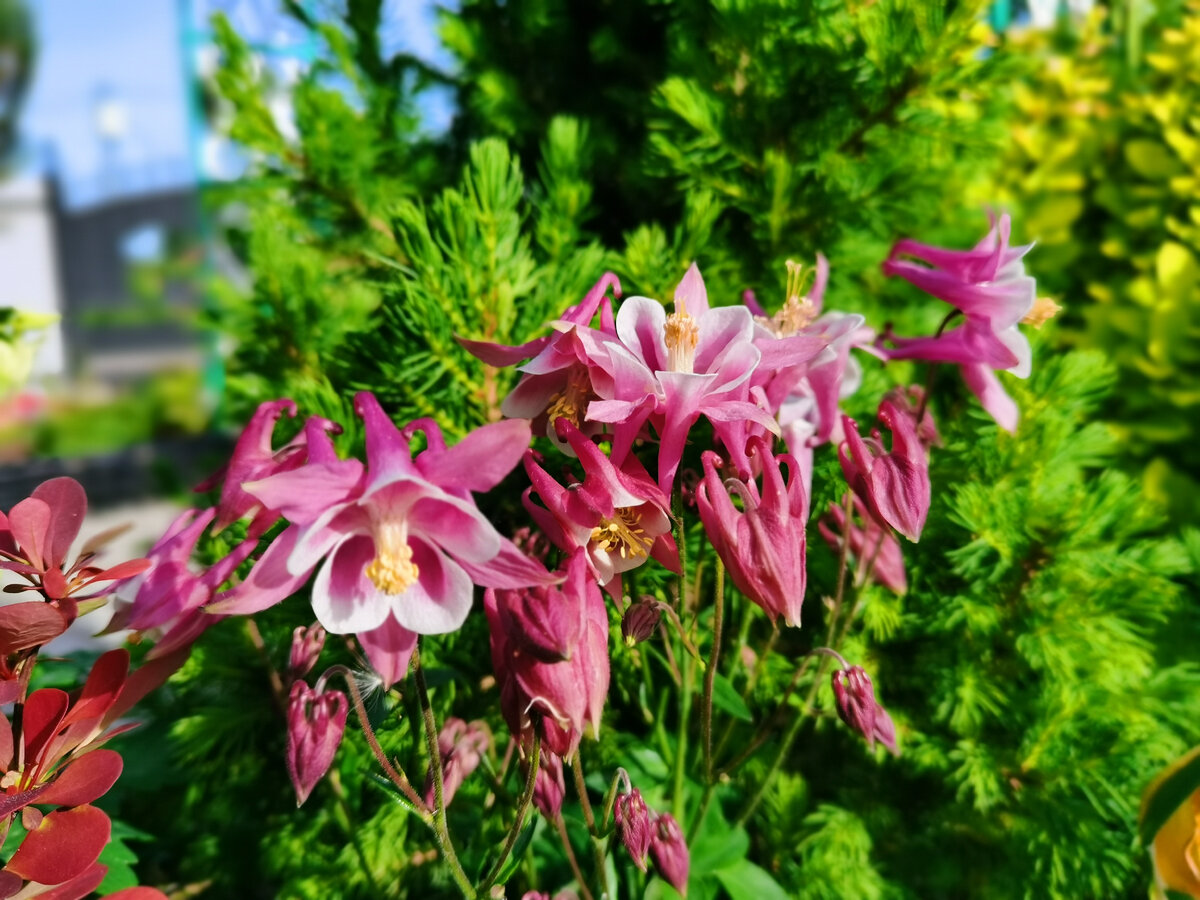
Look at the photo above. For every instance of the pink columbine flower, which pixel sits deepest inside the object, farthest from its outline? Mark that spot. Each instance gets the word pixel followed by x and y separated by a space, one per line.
pixel 461 747
pixel 399 539
pixel 560 378
pixel 763 544
pixel 894 485
pixel 988 285
pixel 253 459
pixel 870 541
pixel 858 708
pixel 550 654
pixel 617 515
pixel 672 369
pixel 36 536
pixel 316 723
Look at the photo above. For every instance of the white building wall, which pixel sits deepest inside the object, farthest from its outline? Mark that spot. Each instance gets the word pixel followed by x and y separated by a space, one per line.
pixel 28 270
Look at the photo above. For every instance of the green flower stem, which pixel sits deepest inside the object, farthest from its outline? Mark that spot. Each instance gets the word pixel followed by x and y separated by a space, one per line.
pixel 561 827
pixel 535 760
pixel 440 828
pixel 599 852
pixel 688 668
pixel 706 708
pixel 394 773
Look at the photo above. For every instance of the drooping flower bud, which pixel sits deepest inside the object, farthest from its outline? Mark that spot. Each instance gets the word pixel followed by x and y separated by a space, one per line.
pixel 549 788
pixel 307 644
pixel 640 621
pixel 893 484
pixel 858 708
pixel 871 542
pixel 316 722
pixel 634 825
pixel 461 746
pixel 669 851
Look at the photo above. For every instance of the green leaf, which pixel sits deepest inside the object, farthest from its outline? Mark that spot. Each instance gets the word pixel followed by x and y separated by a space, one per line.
pixel 1167 793
pixel 1151 159
pixel 746 881
pixel 714 850
pixel 514 858
pixel 728 700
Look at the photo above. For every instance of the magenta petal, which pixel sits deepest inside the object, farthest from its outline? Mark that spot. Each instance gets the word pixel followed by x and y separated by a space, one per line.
pixel 86 779
pixel 30 524
pixel 68 505
pixel 510 568
pixel 63 846
pixel 388 454
pixel 986 386
pixel 691 294
pixel 479 461
pixel 344 600
pixel 502 355
pixel 268 582
pixel 457 527
pixel 302 495
pixel 389 649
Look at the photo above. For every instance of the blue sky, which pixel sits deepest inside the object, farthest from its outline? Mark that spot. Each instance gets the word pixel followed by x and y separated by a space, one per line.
pixel 130 51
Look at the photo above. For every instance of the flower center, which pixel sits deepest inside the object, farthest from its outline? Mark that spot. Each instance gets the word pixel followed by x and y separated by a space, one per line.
pixel 681 334
pixel 1044 309
pixel 392 570
pixel 622 534
pixel 571 402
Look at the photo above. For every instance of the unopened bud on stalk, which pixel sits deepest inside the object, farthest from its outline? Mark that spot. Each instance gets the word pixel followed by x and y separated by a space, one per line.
pixel 857 707
pixel 640 621
pixel 549 788
pixel 670 853
pixel 634 826
pixel 307 644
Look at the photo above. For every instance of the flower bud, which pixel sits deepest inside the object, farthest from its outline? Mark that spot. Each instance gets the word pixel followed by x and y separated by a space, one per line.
pixel 670 853
pixel 640 621
pixel 549 788
pixel 307 644
pixel 634 825
pixel 316 722
pixel 857 707
pixel 461 747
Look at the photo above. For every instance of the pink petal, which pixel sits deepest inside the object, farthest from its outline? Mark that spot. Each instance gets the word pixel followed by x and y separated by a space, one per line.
pixel 640 324
pixel 66 843
pixel 502 355
pixel 302 495
pixel 457 527
pixel 510 568
pixel 344 600
pixel 691 293
pixel 984 384
pixel 388 454
pixel 479 461
pixel 268 582
pixel 724 331
pixel 389 649
pixel 440 600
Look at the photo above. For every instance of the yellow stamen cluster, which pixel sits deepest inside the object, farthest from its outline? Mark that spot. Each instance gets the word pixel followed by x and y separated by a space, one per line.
pixel 622 534
pixel 682 335
pixel 392 570
pixel 797 311
pixel 571 402
pixel 1044 309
